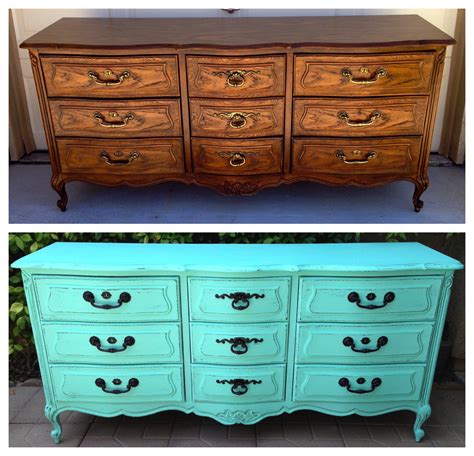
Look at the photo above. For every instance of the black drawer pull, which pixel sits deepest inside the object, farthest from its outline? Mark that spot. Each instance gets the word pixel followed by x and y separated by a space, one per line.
pixel 349 342
pixel 89 297
pixel 127 342
pixel 387 299
pixel 345 383
pixel 132 383
pixel 239 385
pixel 239 344
pixel 240 296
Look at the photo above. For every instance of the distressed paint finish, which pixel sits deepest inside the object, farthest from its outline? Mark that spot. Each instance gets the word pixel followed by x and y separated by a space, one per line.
pixel 295 356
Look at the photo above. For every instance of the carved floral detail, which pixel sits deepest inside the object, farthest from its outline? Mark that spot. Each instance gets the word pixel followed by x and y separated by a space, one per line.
pixel 239 416
pixel 239 188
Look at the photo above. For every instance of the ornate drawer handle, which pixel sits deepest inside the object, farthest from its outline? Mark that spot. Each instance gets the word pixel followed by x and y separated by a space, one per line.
pixel 127 342
pixel 239 344
pixel 240 297
pixel 359 123
pixel 340 154
pixel 106 157
pixel 237 158
pixel 89 297
pixel 132 383
pixel 387 299
pixel 349 342
pixel 235 78
pixel 239 385
pixel 380 73
pixel 237 119
pixel 114 124
pixel 344 382
pixel 95 77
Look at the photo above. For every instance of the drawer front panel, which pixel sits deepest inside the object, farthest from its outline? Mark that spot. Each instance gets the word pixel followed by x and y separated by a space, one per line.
pixel 121 157
pixel 104 77
pixel 228 77
pixel 326 383
pixel 257 384
pixel 399 155
pixel 238 344
pixel 155 384
pixel 402 343
pixel 349 299
pixel 237 157
pixel 367 75
pixel 150 298
pixel 239 300
pixel 349 117
pixel 91 343
pixel 237 118
pixel 116 119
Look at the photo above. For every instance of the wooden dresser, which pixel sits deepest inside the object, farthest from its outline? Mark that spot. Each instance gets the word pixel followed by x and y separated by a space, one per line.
pixel 237 332
pixel 239 104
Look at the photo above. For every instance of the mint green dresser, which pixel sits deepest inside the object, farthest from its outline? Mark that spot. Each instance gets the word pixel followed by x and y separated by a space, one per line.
pixel 237 332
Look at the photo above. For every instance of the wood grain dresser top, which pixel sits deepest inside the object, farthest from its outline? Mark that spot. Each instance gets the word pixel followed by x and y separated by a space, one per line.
pixel 354 31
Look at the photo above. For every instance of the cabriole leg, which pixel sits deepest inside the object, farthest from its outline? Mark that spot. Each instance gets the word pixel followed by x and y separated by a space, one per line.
pixel 53 417
pixel 60 188
pixel 420 187
pixel 422 415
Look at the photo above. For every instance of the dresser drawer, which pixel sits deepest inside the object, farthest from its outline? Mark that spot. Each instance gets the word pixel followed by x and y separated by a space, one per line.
pixel 121 157
pixel 370 343
pixel 397 155
pixel 94 343
pixel 102 299
pixel 238 384
pixel 237 118
pixel 368 117
pixel 363 75
pixel 116 119
pixel 111 77
pixel 238 156
pixel 229 77
pixel 239 300
pixel 369 298
pixel 238 344
pixel 137 384
pixel 335 383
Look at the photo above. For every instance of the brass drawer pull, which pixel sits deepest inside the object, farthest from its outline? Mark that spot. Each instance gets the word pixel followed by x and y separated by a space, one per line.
pixel 340 154
pixel 237 158
pixel 237 119
pixel 359 123
pixel 235 78
pixel 345 383
pixel 95 77
pixel 380 73
pixel 106 157
pixel 113 124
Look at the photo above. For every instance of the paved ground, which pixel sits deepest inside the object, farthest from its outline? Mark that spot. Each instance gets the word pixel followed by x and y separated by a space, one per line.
pixel 33 201
pixel 28 427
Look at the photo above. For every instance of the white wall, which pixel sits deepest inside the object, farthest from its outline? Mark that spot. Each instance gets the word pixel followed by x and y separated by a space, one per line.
pixel 30 21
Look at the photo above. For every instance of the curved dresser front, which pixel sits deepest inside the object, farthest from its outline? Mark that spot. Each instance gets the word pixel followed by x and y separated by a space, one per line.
pixel 237 332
